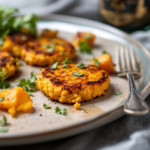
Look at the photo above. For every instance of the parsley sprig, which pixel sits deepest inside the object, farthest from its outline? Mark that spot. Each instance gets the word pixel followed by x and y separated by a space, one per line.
pixel 84 47
pixel 29 84
pixel 60 111
pixel 3 84
pixel 1 99
pixel 11 24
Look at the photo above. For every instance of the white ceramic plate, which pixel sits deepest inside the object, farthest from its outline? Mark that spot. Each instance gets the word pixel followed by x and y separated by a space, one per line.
pixel 42 125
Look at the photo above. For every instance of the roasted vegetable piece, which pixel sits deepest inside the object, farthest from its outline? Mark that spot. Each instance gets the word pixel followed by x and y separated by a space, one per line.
pixel 83 37
pixel 105 62
pixel 15 100
pixel 49 33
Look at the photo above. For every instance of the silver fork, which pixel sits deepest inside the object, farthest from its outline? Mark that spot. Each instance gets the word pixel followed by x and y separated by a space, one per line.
pixel 127 65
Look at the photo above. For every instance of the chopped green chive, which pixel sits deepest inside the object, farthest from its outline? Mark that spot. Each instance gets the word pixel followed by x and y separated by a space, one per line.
pixel 62 43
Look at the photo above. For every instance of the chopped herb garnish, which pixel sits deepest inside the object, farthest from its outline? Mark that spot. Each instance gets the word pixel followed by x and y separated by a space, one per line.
pixel 52 48
pixel 3 122
pixel 67 61
pixel 104 52
pixel 20 64
pixel 119 93
pixel 88 36
pixel 3 84
pixel 81 65
pixel 46 106
pixel 54 66
pixel 96 62
pixel 29 85
pixel 14 61
pixel 76 74
pixel 60 111
pixel 65 66
pixel 1 99
pixel 84 47
pixel 39 78
pixel 63 52
pixel 23 38
pixel 3 130
pixel 62 43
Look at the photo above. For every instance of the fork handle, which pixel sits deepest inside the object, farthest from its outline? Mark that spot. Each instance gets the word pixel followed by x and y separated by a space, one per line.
pixel 134 104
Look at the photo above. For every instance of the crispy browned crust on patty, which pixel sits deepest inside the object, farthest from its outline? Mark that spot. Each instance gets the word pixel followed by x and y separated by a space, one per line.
pixel 34 52
pixel 8 63
pixel 61 82
pixel 13 43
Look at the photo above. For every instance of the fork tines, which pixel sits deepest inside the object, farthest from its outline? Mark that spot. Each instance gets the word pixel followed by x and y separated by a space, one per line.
pixel 126 61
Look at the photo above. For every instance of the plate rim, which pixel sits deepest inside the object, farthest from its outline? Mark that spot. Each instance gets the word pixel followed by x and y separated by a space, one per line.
pixel 144 93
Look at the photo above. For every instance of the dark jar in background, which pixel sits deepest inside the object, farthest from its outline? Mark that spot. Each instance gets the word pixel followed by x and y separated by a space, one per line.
pixel 128 15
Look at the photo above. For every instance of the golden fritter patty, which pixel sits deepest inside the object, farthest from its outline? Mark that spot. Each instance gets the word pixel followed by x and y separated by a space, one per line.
pixel 46 51
pixel 14 42
pixel 62 85
pixel 8 63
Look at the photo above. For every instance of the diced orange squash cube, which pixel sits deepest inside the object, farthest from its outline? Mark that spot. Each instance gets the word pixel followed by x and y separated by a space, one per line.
pixel 15 100
pixel 105 62
pixel 84 37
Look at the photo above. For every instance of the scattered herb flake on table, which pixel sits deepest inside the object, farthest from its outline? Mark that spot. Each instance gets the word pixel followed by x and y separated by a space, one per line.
pixel 60 111
pixel 46 106
pixel 119 93
pixel 3 130
pixel 3 122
